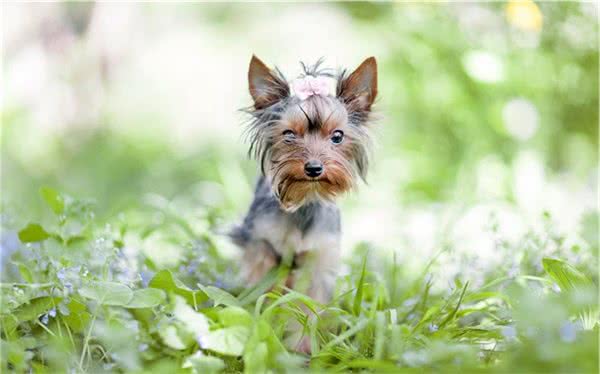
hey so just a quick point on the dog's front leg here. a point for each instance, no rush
(315, 276)
(258, 259)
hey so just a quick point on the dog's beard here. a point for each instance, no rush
(294, 189)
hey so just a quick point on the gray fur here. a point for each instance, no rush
(312, 217)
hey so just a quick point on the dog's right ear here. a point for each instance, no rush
(266, 86)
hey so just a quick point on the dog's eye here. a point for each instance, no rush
(288, 135)
(337, 137)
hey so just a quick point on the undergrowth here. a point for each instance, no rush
(79, 295)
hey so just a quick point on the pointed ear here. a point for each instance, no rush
(266, 86)
(359, 89)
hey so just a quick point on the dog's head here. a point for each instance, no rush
(310, 135)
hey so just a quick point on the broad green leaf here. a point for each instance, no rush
(194, 322)
(219, 296)
(235, 316)
(146, 298)
(565, 275)
(78, 317)
(165, 280)
(33, 233)
(29, 311)
(263, 348)
(256, 359)
(25, 273)
(171, 338)
(53, 199)
(107, 293)
(201, 363)
(228, 341)
(356, 307)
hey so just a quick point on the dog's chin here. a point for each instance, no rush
(300, 192)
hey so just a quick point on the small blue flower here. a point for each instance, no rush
(61, 274)
(219, 283)
(146, 276)
(509, 332)
(202, 341)
(568, 332)
(52, 312)
(433, 327)
(45, 319)
(556, 288)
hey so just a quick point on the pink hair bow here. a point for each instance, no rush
(309, 85)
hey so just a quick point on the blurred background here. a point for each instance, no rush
(488, 123)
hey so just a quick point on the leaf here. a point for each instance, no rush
(263, 348)
(255, 360)
(25, 273)
(29, 311)
(165, 280)
(228, 341)
(146, 298)
(171, 338)
(565, 275)
(107, 293)
(219, 296)
(274, 276)
(359, 291)
(201, 363)
(287, 298)
(195, 323)
(33, 233)
(235, 316)
(53, 199)
(361, 324)
(78, 317)
(453, 313)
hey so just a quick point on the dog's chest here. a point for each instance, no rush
(313, 227)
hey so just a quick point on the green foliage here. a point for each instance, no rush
(141, 281)
(53, 199)
(565, 275)
(33, 233)
(90, 315)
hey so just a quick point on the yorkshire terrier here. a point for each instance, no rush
(311, 139)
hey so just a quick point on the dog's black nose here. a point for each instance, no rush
(313, 168)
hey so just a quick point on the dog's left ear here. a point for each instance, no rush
(266, 86)
(359, 89)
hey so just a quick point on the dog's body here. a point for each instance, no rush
(311, 139)
(270, 235)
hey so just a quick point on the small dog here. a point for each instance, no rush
(311, 139)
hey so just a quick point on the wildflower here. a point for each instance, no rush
(61, 274)
(433, 327)
(568, 332)
(202, 341)
(509, 332)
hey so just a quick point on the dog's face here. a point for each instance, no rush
(311, 138)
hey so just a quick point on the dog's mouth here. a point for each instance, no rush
(294, 192)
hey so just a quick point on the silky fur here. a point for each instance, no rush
(293, 216)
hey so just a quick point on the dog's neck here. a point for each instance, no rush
(304, 216)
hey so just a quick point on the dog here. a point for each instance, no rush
(311, 139)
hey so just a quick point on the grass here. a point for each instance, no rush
(76, 296)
